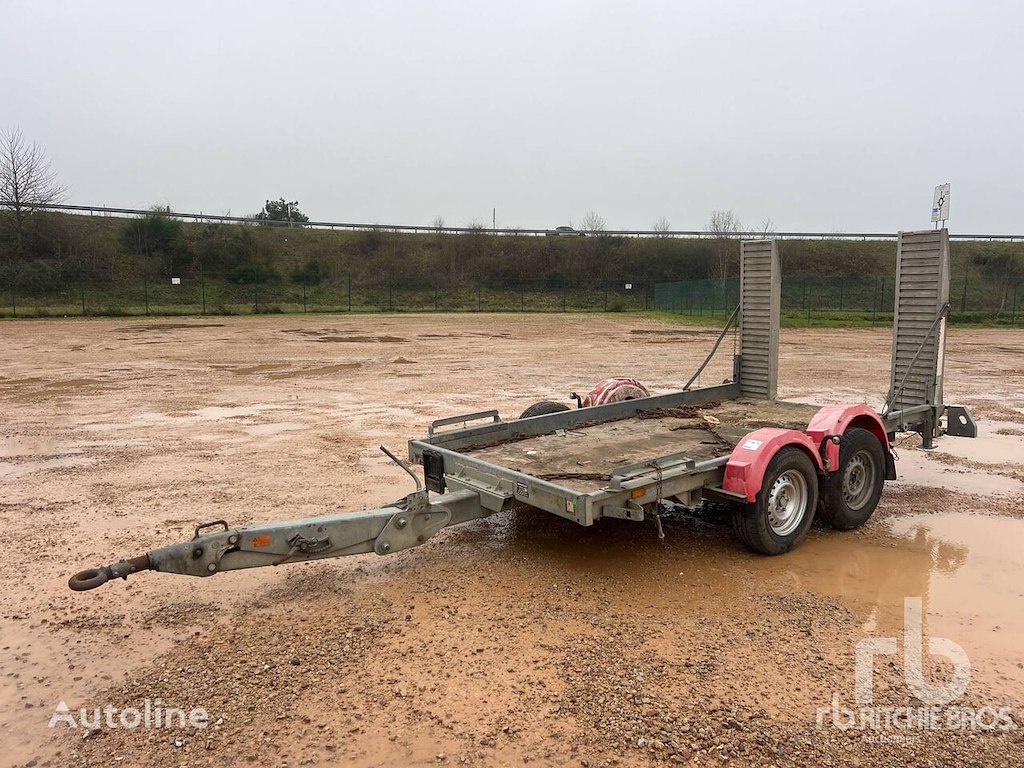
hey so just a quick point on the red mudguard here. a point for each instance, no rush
(745, 470)
(744, 473)
(835, 420)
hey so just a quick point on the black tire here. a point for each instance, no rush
(850, 494)
(542, 408)
(783, 510)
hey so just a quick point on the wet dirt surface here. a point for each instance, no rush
(519, 639)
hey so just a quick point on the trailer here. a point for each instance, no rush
(629, 455)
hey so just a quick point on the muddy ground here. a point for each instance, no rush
(520, 639)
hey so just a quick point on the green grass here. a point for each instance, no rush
(430, 272)
(468, 301)
(289, 300)
(796, 318)
(221, 298)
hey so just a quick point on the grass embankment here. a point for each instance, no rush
(75, 265)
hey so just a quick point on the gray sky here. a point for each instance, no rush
(820, 115)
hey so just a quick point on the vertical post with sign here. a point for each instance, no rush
(940, 205)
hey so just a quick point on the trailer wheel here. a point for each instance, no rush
(783, 510)
(542, 408)
(851, 493)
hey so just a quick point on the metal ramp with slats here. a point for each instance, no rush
(760, 299)
(919, 336)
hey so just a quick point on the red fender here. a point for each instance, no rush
(835, 420)
(744, 472)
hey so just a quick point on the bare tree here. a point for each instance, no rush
(662, 226)
(26, 179)
(592, 222)
(767, 226)
(438, 223)
(724, 226)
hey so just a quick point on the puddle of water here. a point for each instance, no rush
(831, 397)
(45, 664)
(26, 446)
(42, 390)
(73, 383)
(153, 417)
(989, 447)
(982, 586)
(5, 382)
(917, 467)
(217, 437)
(146, 419)
(26, 455)
(327, 369)
(674, 332)
(314, 331)
(231, 413)
(266, 430)
(12, 470)
(366, 339)
(253, 368)
(165, 327)
(968, 570)
(234, 411)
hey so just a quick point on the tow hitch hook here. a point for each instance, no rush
(97, 577)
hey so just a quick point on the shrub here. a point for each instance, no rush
(308, 274)
(254, 273)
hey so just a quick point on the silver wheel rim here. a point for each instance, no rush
(787, 502)
(859, 480)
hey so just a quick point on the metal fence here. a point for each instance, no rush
(99, 210)
(805, 299)
(803, 294)
(216, 295)
(840, 300)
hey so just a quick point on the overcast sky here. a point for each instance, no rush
(818, 115)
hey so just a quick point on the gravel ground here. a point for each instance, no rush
(520, 639)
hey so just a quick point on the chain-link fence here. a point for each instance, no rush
(864, 300)
(216, 295)
(805, 299)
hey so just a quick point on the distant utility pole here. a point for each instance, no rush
(494, 218)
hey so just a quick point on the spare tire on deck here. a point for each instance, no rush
(543, 408)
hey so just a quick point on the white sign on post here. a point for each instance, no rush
(940, 203)
(175, 281)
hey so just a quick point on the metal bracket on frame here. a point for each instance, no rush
(492, 414)
(633, 471)
(631, 511)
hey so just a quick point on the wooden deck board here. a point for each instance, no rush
(583, 458)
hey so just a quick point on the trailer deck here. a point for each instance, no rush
(585, 457)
